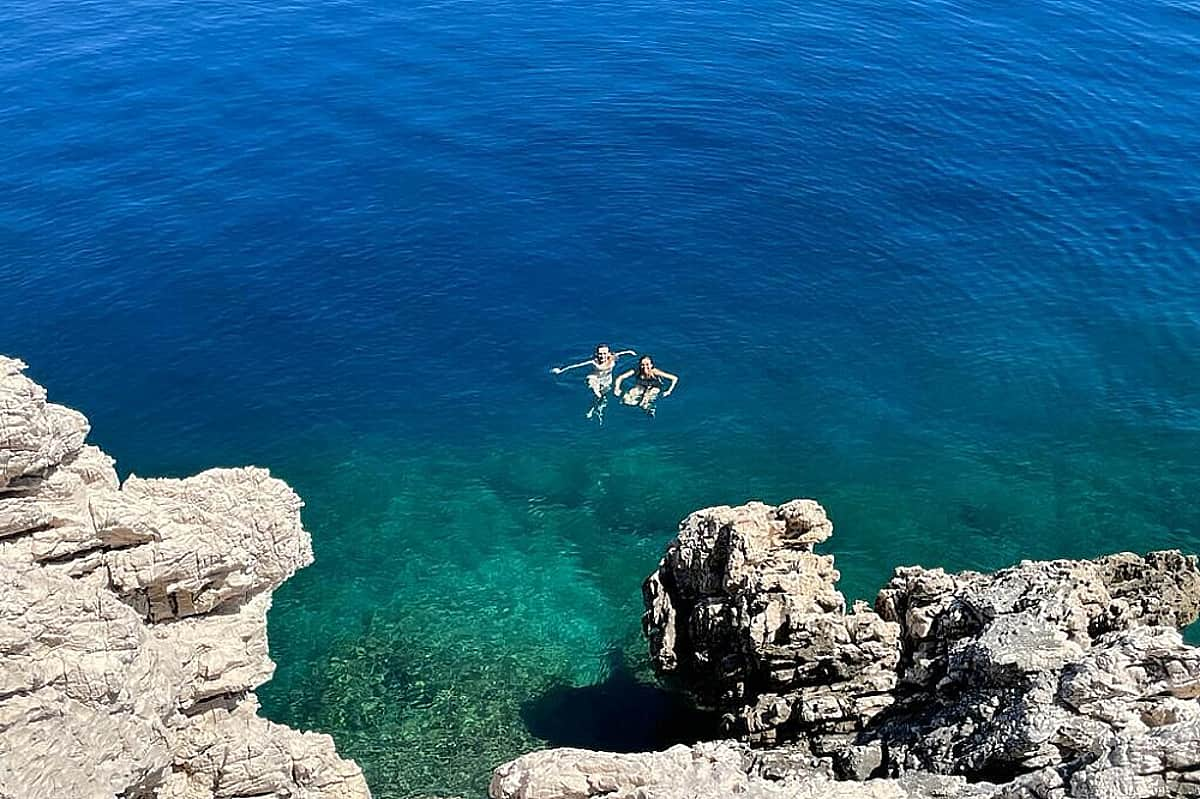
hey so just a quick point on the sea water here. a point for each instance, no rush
(935, 264)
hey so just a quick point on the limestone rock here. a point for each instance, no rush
(226, 753)
(220, 536)
(1161, 762)
(1029, 666)
(704, 771)
(745, 614)
(133, 624)
(80, 714)
(1060, 678)
(35, 436)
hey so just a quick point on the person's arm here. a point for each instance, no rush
(625, 352)
(558, 370)
(617, 386)
(674, 380)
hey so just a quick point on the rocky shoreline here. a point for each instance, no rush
(133, 624)
(133, 636)
(1044, 680)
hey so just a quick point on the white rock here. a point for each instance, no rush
(35, 436)
(716, 770)
(133, 624)
(1069, 677)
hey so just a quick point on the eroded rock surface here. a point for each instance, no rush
(1052, 679)
(746, 615)
(133, 624)
(703, 771)
(1036, 665)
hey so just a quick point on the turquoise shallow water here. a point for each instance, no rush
(934, 264)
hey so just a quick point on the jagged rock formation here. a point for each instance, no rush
(1041, 681)
(1036, 665)
(133, 624)
(749, 618)
(1039, 671)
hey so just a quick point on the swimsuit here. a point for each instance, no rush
(602, 376)
(649, 381)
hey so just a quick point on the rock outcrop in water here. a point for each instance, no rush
(1053, 679)
(133, 624)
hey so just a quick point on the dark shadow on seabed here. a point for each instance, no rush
(618, 714)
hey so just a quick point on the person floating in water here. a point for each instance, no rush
(647, 384)
(603, 361)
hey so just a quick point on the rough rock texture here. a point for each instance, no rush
(133, 624)
(1055, 679)
(704, 771)
(749, 618)
(1034, 665)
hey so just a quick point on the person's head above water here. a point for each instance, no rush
(645, 363)
(602, 351)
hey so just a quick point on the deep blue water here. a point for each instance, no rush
(936, 264)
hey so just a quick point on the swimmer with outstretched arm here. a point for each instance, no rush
(603, 361)
(647, 384)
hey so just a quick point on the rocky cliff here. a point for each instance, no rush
(1053, 679)
(133, 624)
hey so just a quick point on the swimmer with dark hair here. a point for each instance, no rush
(647, 384)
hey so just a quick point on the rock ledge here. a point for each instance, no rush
(133, 624)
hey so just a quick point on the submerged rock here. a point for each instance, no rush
(133, 623)
(1050, 679)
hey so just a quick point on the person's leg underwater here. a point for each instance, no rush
(648, 398)
(599, 386)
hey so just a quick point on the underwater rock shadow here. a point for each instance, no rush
(619, 714)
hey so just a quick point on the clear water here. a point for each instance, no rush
(936, 264)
